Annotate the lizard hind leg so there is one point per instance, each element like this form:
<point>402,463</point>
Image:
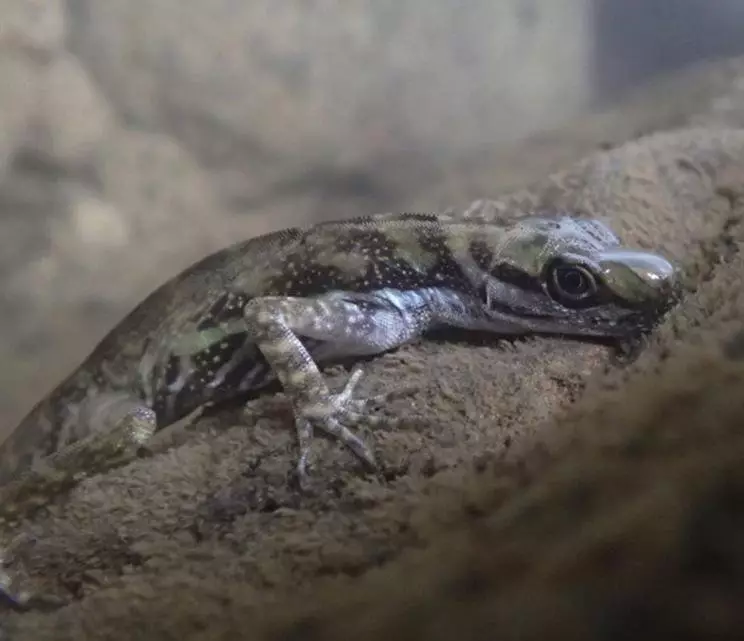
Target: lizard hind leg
<point>115,427</point>
<point>346,324</point>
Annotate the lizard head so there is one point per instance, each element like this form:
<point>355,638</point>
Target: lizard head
<point>572,276</point>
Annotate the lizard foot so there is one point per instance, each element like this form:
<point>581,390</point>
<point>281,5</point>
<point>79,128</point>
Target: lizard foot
<point>335,414</point>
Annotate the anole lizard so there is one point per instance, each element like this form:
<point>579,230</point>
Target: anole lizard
<point>278,306</point>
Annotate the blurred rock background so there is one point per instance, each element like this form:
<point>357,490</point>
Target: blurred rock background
<point>137,137</point>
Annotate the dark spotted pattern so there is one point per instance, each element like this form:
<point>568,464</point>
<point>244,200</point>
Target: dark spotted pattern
<point>187,344</point>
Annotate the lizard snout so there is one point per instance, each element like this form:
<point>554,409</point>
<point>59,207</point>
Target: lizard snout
<point>639,277</point>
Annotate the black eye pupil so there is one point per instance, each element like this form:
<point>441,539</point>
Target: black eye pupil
<point>572,285</point>
<point>572,281</point>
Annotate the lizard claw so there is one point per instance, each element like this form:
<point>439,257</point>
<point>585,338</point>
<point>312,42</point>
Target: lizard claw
<point>335,414</point>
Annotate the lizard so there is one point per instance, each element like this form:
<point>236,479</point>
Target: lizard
<point>280,306</point>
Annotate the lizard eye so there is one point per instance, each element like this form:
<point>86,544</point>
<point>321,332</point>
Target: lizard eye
<point>571,284</point>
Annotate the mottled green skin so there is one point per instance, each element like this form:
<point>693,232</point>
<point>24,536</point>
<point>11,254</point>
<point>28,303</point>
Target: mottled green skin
<point>278,306</point>
<point>168,352</point>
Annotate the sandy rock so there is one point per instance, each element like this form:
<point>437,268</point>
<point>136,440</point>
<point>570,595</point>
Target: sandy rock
<point>488,422</point>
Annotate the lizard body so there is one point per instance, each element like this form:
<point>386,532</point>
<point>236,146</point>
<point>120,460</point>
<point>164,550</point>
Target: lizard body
<point>278,306</point>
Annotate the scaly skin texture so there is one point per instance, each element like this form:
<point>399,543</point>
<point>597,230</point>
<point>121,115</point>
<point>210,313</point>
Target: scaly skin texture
<point>278,306</point>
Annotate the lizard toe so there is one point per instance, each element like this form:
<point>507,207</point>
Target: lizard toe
<point>337,415</point>
<point>337,430</point>
<point>338,425</point>
<point>334,428</point>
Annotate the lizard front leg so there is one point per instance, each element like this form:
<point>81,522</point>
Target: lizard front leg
<point>346,324</point>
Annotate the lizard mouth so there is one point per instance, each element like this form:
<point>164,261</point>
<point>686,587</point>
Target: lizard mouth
<point>620,322</point>
<point>610,320</point>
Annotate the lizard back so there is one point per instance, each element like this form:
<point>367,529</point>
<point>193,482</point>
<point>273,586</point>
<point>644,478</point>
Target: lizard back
<point>189,329</point>
<point>187,344</point>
